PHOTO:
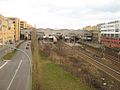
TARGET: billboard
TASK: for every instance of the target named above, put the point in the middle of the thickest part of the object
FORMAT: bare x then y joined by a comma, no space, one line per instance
0,24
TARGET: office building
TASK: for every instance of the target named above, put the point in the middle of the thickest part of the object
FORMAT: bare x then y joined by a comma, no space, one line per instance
110,34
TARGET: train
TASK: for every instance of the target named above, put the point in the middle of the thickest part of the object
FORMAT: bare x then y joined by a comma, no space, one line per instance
111,42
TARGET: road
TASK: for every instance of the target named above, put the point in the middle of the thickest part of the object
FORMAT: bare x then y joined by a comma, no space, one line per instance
4,50
15,74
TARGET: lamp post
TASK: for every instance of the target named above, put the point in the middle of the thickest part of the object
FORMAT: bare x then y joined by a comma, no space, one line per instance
30,61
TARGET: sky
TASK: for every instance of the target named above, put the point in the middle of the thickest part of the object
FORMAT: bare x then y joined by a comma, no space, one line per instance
69,14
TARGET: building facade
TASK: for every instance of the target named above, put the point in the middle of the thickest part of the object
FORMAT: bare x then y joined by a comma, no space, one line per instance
1,29
29,26
6,30
110,34
26,34
16,23
95,32
95,36
89,28
23,25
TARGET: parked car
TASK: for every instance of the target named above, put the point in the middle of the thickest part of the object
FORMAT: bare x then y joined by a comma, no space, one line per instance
27,47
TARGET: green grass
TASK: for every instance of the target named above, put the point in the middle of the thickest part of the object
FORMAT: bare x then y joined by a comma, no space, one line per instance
53,77
9,55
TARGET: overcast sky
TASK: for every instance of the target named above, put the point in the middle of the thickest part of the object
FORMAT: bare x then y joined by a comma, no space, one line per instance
62,13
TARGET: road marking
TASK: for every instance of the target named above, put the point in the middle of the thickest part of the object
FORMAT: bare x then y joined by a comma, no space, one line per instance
3,64
14,75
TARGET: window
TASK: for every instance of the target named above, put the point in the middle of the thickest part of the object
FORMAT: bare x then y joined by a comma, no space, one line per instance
117,25
110,26
116,30
108,35
116,35
102,34
112,35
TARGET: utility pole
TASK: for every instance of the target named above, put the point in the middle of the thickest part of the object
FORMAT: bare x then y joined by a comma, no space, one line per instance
118,55
74,40
103,51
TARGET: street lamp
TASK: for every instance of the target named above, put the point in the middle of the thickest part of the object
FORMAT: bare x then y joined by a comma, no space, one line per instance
30,61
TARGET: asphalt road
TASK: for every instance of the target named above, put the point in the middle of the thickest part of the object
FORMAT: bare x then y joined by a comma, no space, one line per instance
15,74
4,50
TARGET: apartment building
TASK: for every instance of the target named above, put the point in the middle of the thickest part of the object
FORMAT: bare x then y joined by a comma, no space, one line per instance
23,25
26,34
16,22
87,28
1,28
6,30
110,34
29,26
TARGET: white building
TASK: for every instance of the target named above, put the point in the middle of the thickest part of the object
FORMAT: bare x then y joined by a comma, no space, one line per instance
110,34
111,29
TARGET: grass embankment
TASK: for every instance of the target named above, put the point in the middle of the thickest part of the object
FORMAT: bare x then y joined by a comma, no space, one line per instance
46,75
9,55
53,77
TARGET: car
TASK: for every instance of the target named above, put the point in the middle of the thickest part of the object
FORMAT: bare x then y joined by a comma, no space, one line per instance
11,42
29,42
27,47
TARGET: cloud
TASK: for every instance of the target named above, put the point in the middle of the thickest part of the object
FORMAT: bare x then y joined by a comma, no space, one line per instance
113,7
62,13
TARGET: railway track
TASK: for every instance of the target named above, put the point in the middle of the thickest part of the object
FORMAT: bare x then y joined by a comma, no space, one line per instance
108,70
99,59
113,63
107,56
113,73
98,53
113,59
96,62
